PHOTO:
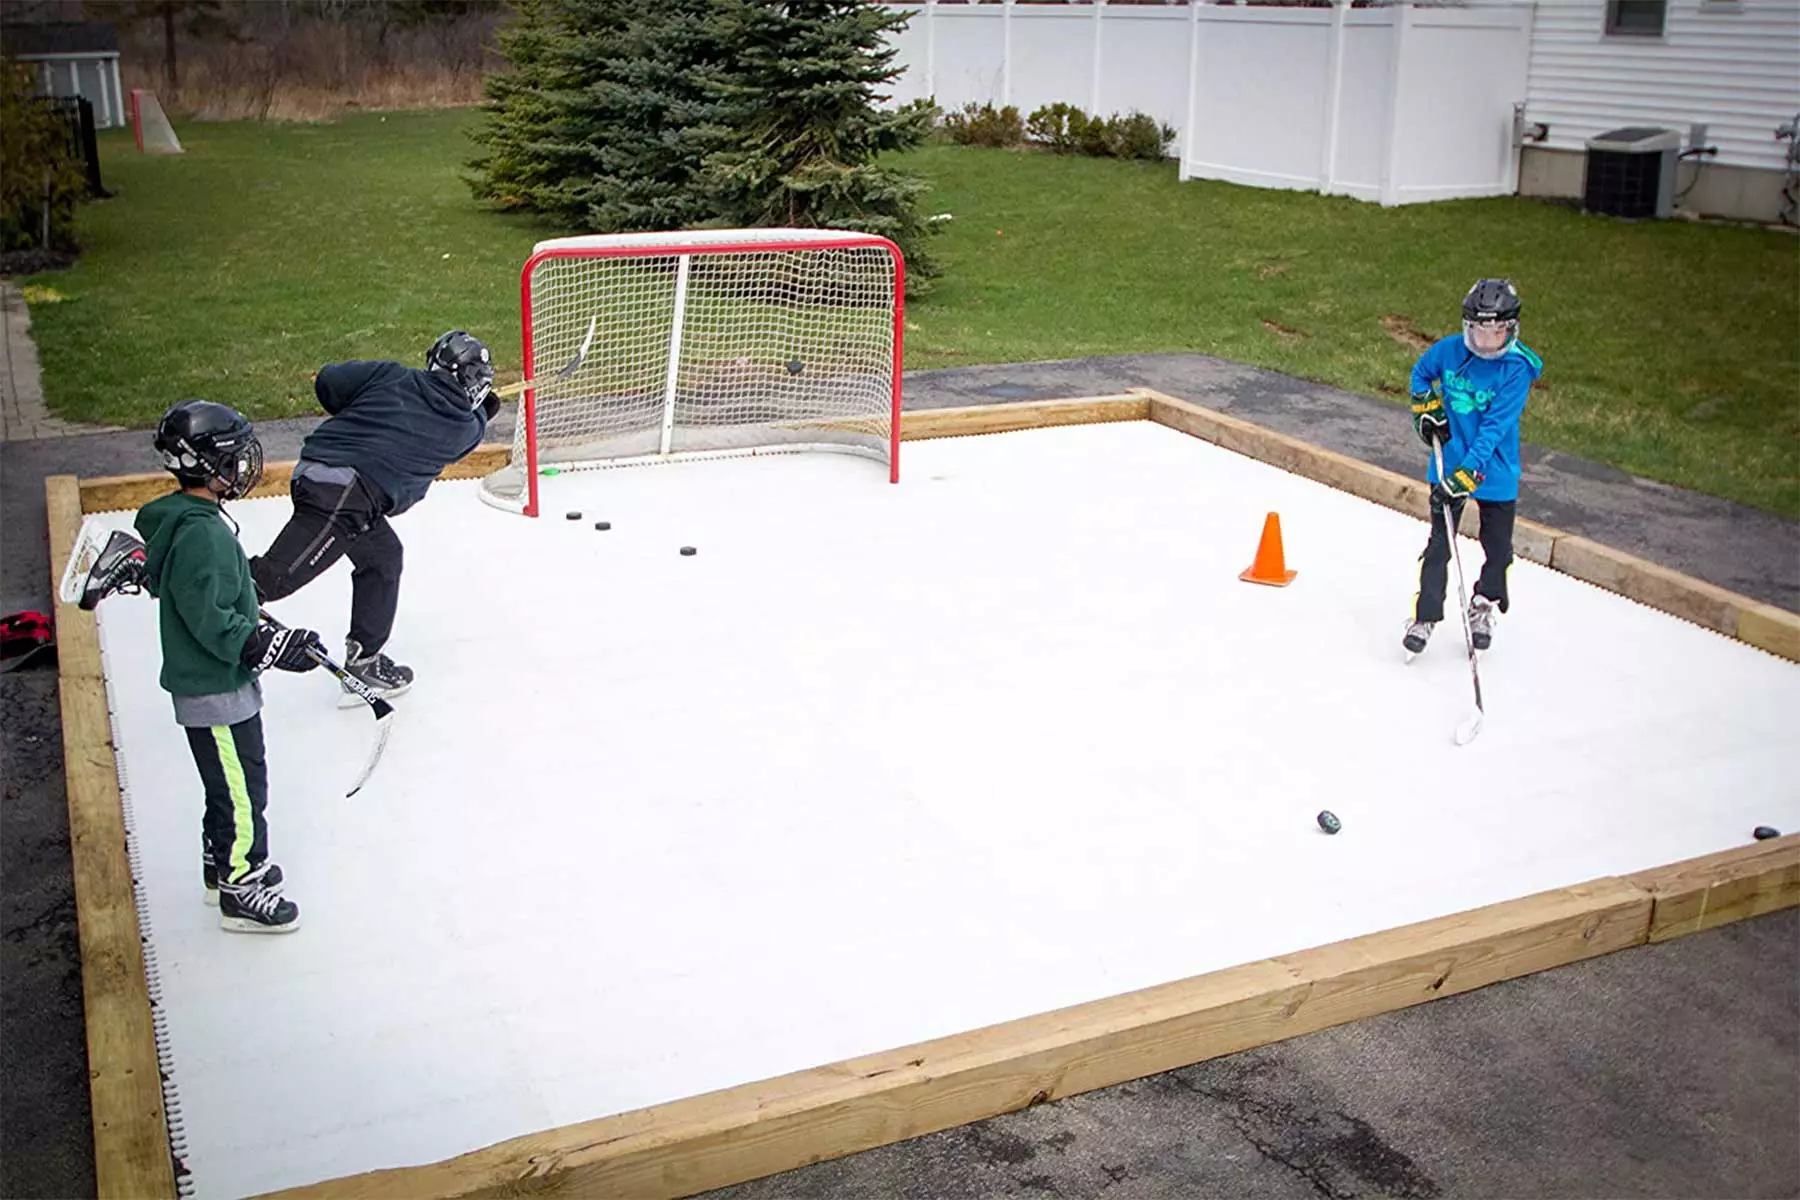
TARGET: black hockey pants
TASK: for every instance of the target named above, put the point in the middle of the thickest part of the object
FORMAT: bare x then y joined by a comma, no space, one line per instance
236,778
331,521
1496,546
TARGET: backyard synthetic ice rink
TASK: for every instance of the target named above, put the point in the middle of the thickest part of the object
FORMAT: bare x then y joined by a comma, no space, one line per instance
878,764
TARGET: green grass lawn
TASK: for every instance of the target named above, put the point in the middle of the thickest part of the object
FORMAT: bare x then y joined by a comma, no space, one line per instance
235,270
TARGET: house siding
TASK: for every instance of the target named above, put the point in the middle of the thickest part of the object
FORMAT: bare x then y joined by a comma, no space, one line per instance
1732,67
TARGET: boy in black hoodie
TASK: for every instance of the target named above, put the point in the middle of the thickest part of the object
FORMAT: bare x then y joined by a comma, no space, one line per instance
214,647
392,429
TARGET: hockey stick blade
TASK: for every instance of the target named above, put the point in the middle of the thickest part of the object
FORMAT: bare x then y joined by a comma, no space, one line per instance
384,725
1465,732
382,710
519,388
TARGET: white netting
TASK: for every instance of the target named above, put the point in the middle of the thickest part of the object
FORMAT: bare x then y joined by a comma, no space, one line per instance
150,125
705,342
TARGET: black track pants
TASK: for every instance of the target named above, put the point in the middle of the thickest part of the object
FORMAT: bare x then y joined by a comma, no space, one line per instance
332,521
236,778
1496,546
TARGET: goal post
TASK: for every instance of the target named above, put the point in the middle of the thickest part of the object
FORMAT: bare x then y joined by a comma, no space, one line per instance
703,343
150,126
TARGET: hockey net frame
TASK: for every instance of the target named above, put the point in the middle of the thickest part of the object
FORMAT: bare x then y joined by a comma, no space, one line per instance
686,344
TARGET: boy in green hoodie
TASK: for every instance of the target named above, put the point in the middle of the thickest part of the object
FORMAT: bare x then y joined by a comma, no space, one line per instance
214,647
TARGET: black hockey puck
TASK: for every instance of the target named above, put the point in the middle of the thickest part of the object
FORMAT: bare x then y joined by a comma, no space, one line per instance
574,516
1328,822
688,550
795,366
1763,833
602,524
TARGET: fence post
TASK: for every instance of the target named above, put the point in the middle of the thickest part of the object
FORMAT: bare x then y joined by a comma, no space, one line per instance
1390,151
931,50
1193,92
1334,98
90,146
1006,7
1099,31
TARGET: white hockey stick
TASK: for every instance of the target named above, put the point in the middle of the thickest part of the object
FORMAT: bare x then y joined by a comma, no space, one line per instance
518,389
382,710
1466,731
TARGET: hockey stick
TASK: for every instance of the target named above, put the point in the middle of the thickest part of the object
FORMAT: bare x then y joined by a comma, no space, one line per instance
1466,731
382,710
519,388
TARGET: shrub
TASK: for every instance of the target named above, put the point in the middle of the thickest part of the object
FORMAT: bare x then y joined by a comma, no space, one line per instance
984,125
1139,136
1058,127
41,173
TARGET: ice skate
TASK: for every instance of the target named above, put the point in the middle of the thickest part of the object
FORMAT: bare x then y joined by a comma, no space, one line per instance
255,905
1418,633
385,677
1481,622
209,877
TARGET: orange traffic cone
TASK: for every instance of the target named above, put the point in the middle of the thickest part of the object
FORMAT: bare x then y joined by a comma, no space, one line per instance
1270,566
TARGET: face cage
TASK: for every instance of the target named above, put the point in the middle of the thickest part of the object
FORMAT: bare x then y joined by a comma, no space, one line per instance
1512,337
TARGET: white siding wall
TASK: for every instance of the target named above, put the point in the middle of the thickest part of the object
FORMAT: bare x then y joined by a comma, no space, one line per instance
1733,67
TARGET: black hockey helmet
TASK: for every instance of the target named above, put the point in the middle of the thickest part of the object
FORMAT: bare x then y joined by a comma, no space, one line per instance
463,359
1491,317
201,442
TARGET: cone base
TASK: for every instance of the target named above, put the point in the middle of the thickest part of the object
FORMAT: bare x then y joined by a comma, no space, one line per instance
1283,580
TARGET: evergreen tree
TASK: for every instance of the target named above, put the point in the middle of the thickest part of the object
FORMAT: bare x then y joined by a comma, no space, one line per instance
523,108
801,104
643,112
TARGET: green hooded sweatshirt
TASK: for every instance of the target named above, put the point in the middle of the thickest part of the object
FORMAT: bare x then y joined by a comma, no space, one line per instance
201,580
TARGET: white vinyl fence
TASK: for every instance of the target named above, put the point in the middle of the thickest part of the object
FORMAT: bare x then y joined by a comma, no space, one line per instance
1395,104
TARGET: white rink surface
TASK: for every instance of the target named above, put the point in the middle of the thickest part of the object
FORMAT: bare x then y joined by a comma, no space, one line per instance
881,763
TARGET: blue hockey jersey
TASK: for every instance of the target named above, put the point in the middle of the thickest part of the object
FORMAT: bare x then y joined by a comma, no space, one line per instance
1485,398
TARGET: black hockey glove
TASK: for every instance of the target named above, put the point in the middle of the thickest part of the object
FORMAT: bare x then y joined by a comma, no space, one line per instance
284,649
491,406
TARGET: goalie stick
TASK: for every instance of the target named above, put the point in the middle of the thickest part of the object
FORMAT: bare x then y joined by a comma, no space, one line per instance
519,388
1466,731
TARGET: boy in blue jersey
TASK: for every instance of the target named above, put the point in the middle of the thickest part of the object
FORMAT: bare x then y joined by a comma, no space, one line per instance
1469,393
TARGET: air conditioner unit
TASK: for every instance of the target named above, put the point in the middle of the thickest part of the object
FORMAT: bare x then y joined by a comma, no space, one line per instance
1631,172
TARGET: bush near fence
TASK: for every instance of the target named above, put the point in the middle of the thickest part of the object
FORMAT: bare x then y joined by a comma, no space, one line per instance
1061,129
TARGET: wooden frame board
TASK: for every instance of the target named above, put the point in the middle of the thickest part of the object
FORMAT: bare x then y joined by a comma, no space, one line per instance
707,1141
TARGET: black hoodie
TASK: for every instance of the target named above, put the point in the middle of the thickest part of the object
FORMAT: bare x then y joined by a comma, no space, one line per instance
395,426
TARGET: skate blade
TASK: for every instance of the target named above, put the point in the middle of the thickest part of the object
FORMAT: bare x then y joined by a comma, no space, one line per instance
251,925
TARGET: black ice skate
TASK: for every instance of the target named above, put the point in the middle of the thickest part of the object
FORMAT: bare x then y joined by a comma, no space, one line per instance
209,877
385,677
254,905
119,569
1481,622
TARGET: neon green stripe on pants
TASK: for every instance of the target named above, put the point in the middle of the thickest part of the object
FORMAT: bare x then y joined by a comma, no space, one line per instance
243,828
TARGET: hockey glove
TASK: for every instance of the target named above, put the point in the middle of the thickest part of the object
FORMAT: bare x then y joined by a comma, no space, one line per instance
1461,483
1430,421
491,406
284,649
